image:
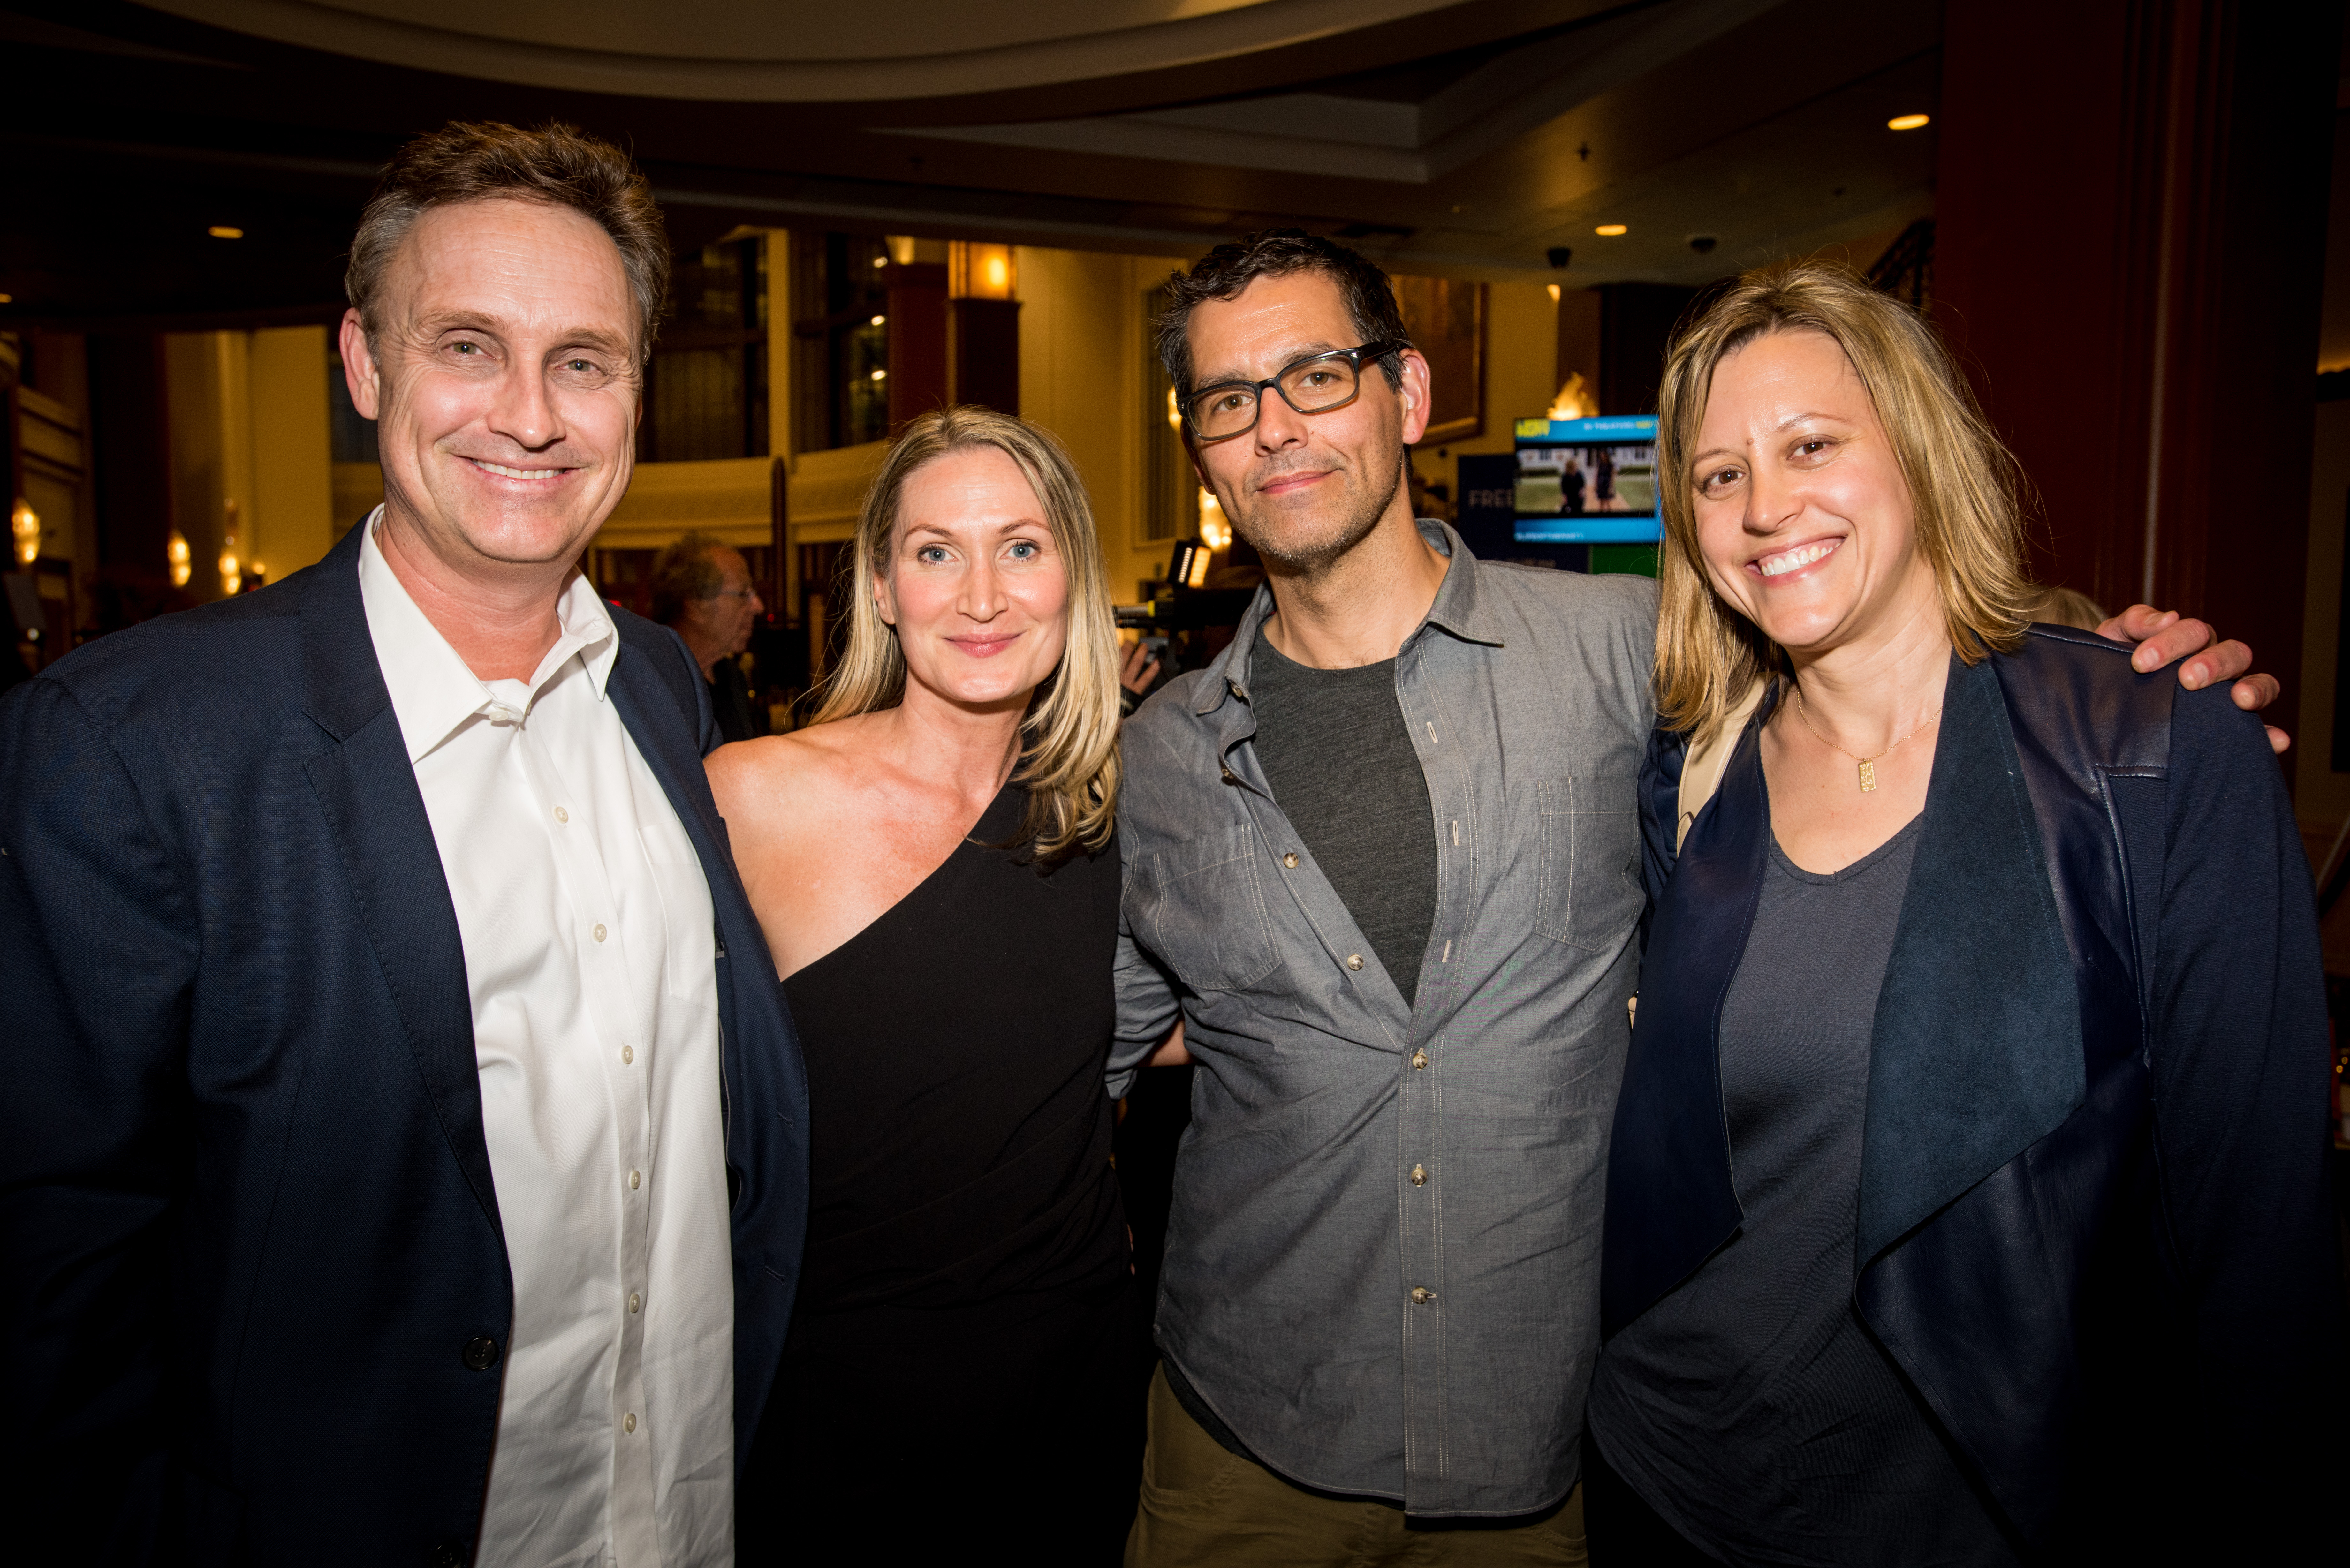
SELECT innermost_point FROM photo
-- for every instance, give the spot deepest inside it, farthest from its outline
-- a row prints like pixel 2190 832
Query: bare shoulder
pixel 787 774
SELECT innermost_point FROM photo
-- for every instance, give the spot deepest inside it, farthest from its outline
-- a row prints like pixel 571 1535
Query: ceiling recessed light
pixel 226 232
pixel 1909 121
pixel 1609 231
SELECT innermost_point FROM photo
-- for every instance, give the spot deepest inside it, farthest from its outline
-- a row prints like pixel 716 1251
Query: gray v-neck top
pixel 1751 1408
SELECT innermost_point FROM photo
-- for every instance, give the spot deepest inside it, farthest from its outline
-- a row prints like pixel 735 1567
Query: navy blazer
pixel 2093 1228
pixel 253 1292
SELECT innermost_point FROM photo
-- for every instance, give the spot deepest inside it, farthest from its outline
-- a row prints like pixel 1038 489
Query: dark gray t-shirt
pixel 1336 750
pixel 1750 1406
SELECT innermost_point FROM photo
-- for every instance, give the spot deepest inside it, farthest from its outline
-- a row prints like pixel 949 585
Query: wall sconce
pixel 982 272
pixel 175 551
pixel 1215 531
pixel 24 532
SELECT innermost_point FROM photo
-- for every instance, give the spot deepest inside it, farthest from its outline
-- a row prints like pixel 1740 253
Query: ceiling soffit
pixel 743 51
pixel 1365 138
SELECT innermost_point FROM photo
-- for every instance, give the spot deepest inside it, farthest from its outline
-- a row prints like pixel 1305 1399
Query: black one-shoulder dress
pixel 955 1372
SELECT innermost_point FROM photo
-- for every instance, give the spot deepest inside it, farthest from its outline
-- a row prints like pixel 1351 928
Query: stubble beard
pixel 1315 553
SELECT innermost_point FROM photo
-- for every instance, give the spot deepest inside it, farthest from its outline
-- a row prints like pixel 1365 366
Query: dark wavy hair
pixel 556 164
pixel 1223 272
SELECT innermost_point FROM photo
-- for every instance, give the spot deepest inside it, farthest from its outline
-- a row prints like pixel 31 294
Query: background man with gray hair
pixel 702 592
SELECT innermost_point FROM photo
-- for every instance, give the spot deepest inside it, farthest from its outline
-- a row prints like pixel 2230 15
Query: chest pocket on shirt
pixel 1588 888
pixel 1205 915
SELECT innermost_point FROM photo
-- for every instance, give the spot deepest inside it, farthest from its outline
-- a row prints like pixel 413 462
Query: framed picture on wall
pixel 1446 319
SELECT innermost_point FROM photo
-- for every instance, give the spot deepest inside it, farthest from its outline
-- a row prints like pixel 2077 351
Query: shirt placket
pixel 1420 1167
pixel 626 1056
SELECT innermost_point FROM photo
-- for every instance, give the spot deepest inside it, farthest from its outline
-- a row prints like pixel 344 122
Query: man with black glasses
pixel 1382 866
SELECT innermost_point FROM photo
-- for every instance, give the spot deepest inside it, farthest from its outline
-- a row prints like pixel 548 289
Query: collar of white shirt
pixel 433 692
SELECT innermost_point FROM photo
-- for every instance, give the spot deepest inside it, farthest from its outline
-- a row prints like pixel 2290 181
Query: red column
pixel 918 339
pixel 2130 234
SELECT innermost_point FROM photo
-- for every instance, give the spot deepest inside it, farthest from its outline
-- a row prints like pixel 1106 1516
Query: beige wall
pixel 1521 356
pixel 250 457
pixel 1082 377
pixel 293 471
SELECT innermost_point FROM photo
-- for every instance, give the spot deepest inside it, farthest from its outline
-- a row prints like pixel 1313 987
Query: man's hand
pixel 2163 636
pixel 1140 668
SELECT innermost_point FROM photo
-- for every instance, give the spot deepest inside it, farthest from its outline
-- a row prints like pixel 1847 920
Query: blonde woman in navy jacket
pixel 1966 1201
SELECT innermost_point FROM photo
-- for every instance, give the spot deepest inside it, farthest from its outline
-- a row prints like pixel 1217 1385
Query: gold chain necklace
pixel 1867 764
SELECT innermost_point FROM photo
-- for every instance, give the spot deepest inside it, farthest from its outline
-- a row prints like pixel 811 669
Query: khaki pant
pixel 1204 1505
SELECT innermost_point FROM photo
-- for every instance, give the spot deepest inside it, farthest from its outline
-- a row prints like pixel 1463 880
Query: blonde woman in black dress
pixel 933 864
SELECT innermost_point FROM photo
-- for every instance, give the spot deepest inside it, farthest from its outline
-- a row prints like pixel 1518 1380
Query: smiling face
pixel 974 582
pixel 1303 488
pixel 1802 514
pixel 502 382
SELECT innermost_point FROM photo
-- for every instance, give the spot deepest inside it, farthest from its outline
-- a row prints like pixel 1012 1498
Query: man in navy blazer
pixel 397 1061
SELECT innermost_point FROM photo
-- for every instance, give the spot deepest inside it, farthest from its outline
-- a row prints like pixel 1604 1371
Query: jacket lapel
pixel 366 790
pixel 1977 1051
pixel 1671 1200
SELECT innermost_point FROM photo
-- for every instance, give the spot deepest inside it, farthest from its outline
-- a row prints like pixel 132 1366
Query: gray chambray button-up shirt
pixel 1383 1263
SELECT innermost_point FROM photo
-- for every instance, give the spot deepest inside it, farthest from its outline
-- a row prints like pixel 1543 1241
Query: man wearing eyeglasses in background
pixel 1382 866
pixel 702 592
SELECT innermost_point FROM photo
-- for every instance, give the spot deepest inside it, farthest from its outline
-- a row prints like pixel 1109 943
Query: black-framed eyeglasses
pixel 1317 384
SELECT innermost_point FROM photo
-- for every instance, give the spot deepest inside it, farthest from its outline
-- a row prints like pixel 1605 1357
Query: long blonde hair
pixel 1963 485
pixel 1069 760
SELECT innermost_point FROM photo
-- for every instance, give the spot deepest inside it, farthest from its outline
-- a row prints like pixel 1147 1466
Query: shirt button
pixel 480 1355
pixel 1422 1295
pixel 1419 1060
pixel 1354 961
pixel 635 1181
pixel 599 933
pixel 1419 1175
pixel 561 815
pixel 629 1422
pixel 1290 860
pixel 636 1302
pixel 627 1054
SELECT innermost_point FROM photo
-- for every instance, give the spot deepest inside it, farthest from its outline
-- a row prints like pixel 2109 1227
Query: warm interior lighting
pixel 1174 414
pixel 176 552
pixel 1195 573
pixel 1575 399
pixel 1609 231
pixel 881 375
pixel 226 232
pixel 7 299
pixel 1553 289
pixel 880 261
pixel 232 572
pixel 260 571
pixel 977 271
pixel 24 532
pixel 1215 532
pixel 877 321
pixel 1909 121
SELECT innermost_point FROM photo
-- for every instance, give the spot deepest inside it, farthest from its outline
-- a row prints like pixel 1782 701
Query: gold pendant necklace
pixel 1867 764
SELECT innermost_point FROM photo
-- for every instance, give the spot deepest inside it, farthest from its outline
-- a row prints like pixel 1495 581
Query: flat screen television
pixel 1587 481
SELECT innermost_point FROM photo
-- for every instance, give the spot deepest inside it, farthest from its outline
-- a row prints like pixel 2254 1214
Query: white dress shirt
pixel 589 955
